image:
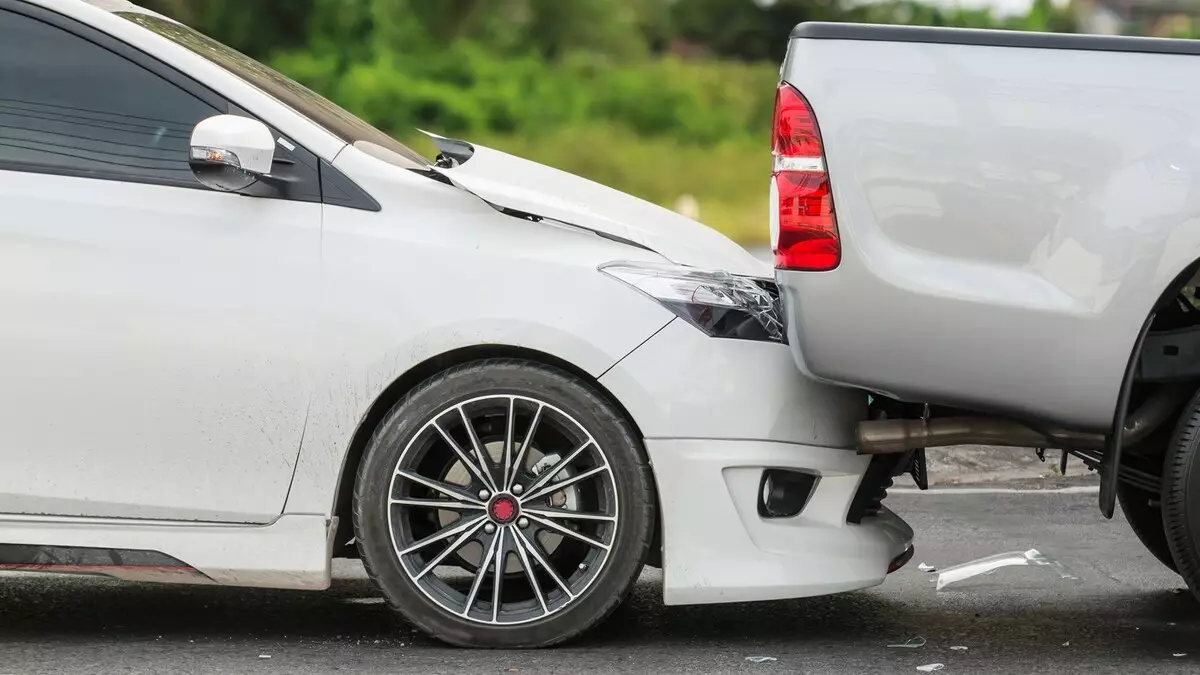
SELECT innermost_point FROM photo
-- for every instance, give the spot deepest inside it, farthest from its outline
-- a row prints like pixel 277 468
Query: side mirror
pixel 230 153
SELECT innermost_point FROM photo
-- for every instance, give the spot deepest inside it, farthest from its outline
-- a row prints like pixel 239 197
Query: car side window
pixel 70 106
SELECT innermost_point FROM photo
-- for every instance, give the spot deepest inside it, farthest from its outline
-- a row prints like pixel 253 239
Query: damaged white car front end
pixel 761 493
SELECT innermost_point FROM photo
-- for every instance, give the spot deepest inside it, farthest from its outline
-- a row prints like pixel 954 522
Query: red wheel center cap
pixel 503 509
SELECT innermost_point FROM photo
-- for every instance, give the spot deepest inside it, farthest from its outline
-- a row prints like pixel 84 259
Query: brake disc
pixel 535 461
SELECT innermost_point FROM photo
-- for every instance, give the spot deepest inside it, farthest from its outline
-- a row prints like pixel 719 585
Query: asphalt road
pixel 1124 614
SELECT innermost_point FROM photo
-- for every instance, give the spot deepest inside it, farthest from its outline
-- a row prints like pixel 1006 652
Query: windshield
pixel 300 98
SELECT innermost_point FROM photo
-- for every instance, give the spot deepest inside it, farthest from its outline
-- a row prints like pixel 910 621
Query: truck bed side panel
pixel 1008 218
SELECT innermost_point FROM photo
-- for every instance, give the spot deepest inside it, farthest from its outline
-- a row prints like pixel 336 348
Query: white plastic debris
pixel 911 643
pixel 958 648
pixel 1180 654
pixel 364 601
pixel 264 656
pixel 926 568
pixel 1067 643
pixel 761 659
pixel 989 565
pixel 931 667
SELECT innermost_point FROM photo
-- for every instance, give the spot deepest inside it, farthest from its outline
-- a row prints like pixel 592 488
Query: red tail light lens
pixel 807 236
pixel 795 126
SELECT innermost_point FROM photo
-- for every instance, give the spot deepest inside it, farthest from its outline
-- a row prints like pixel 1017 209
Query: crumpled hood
pixel 509 181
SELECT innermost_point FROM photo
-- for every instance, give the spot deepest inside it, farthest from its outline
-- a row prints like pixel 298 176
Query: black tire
pixel 1181 495
pixel 1143 511
pixel 628 538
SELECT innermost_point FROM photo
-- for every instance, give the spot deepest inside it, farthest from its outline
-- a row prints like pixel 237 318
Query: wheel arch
pixel 1111 460
pixel 411 379
pixel 1163 293
pixel 1152 303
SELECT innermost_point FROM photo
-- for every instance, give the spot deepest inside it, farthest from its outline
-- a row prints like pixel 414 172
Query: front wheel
pixel 504 504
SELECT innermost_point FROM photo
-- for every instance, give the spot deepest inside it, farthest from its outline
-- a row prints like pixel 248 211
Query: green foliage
pixel 254 27
pixel 466 89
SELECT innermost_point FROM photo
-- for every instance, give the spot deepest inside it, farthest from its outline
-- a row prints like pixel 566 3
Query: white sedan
pixel 242 333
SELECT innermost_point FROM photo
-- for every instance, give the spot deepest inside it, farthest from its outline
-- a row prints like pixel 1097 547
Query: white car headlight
pixel 719 303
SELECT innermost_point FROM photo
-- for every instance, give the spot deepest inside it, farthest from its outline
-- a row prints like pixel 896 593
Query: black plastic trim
pixel 1170 356
pixel 992 38
pixel 1110 465
pixel 23 555
pixel 872 489
pixel 338 190
pixel 796 489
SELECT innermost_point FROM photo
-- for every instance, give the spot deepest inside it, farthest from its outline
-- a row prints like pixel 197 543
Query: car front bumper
pixel 715 414
pixel 717 548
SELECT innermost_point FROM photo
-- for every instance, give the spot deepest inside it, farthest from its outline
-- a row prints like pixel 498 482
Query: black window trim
pixel 219 102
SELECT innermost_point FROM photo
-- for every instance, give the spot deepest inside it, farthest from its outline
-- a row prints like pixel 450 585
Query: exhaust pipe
pixel 882 437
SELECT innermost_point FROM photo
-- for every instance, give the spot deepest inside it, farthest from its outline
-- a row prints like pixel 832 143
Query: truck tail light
pixel 805 235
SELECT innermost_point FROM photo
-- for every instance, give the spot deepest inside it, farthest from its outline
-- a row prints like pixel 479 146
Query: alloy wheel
pixel 503 509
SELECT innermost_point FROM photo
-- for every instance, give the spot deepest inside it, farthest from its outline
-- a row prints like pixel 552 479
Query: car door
pixel 153 332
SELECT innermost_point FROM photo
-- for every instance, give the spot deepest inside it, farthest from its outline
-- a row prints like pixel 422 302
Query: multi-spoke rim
pixel 514 492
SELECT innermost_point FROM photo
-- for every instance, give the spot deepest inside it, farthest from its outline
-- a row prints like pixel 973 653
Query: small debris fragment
pixel 989 565
pixel 264 656
pixel 761 659
pixel 926 568
pixel 912 643
pixel 958 648
pixel 1067 643
pixel 931 667
pixel 365 601
pixel 1180 654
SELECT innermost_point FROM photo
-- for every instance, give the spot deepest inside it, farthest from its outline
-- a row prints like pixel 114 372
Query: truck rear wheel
pixel 1144 513
pixel 1181 495
pixel 1143 509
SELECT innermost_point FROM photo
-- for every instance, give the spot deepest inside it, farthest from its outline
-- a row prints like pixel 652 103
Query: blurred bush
pixel 466 89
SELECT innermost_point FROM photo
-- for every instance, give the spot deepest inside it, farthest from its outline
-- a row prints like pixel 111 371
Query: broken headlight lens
pixel 719 303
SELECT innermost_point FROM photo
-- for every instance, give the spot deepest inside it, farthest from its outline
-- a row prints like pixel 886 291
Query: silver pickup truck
pixel 998 234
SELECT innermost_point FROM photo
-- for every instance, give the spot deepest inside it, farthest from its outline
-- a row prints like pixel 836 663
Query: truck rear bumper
pixel 718 548
pixel 858 327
